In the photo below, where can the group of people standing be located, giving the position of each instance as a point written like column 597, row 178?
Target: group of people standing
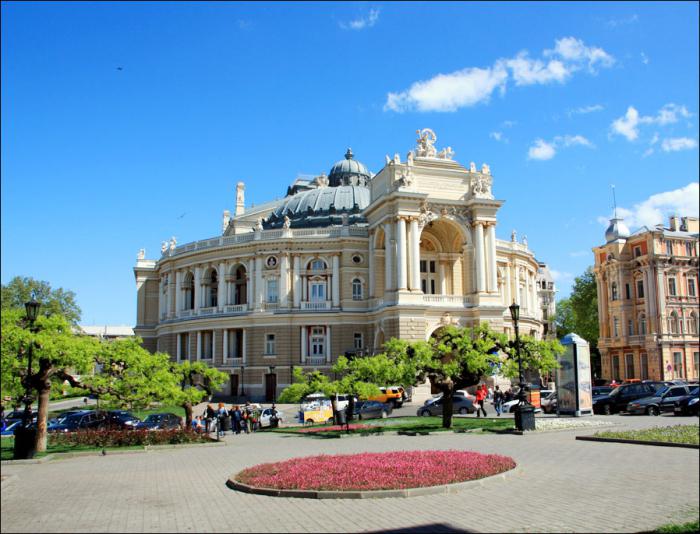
column 237, row 419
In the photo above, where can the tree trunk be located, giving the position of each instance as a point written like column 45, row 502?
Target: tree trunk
column 447, row 396
column 334, row 407
column 188, row 415
column 350, row 412
column 43, row 411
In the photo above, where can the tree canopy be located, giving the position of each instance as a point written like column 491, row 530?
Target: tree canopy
column 53, row 301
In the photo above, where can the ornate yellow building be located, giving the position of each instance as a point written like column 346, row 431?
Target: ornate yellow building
column 341, row 264
column 648, row 301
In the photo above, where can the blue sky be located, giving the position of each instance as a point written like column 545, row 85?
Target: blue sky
column 561, row 100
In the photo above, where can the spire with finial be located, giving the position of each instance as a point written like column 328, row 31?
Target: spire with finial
column 617, row 231
column 349, row 154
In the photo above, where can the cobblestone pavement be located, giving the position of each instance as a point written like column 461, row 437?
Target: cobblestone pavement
column 561, row 485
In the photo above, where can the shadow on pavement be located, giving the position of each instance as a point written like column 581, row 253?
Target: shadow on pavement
column 431, row 527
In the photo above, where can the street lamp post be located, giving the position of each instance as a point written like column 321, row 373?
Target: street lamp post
column 524, row 412
column 25, row 436
column 274, row 393
column 242, row 380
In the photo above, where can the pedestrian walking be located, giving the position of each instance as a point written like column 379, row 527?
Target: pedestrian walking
column 236, row 418
column 498, row 401
column 480, row 397
column 210, row 420
column 247, row 417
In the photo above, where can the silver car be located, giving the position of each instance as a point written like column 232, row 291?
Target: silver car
column 460, row 405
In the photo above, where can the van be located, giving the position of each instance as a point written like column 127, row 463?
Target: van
column 390, row 395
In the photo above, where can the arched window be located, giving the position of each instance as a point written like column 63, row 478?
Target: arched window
column 693, row 323
column 188, row 290
column 317, row 265
column 642, row 324
column 673, row 323
column 357, row 289
column 616, row 327
column 613, row 289
column 239, row 286
column 213, row 289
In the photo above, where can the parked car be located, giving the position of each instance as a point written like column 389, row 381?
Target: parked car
column 389, row 395
column 11, row 424
column 19, row 414
column 549, row 403
column 372, row 409
column 457, row 393
column 60, row 417
column 597, row 391
column 160, row 421
column 83, row 420
column 511, row 405
column 343, row 401
column 121, row 419
column 619, row 398
column 461, row 405
column 266, row 415
column 683, row 405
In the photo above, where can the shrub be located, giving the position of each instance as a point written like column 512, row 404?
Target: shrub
column 376, row 471
column 125, row 438
column 334, row 428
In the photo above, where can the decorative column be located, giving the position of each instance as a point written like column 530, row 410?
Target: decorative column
column 388, row 258
column 224, row 348
column 479, row 246
column 328, row 344
column 297, row 281
column 661, row 302
column 161, row 300
column 178, row 293
column 222, row 294
column 178, row 349
column 284, row 280
column 197, row 288
column 372, row 283
column 244, row 350
column 507, row 286
column 304, row 343
column 443, row 277
column 401, row 254
column 249, row 285
column 199, row 345
column 336, row 280
column 493, row 275
column 415, row 255
column 259, row 290
column 649, row 303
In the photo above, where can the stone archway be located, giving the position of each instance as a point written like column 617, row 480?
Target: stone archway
column 441, row 262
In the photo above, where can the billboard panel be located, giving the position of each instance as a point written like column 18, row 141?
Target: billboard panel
column 566, row 381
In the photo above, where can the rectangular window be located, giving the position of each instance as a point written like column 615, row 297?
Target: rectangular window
column 669, row 247
column 432, row 266
column 270, row 344
column 272, row 290
column 184, row 347
column 235, row 344
column 637, row 251
column 423, row 266
column 424, row 286
column 616, row 368
column 628, row 292
column 642, row 325
column 616, row 327
column 432, row 286
column 207, row 345
column 318, row 291
column 358, row 343
column 688, row 248
column 672, row 286
column 691, row 287
column 630, row 327
column 678, row 365
column 640, row 289
column 644, row 364
column 318, row 341
column 356, row 289
column 696, row 361
column 629, row 366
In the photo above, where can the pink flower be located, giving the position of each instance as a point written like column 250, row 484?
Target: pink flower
column 376, row 471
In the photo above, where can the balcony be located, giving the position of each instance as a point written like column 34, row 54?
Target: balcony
column 315, row 360
column 270, row 306
column 233, row 362
column 207, row 311
column 316, row 306
column 236, row 308
column 447, row 300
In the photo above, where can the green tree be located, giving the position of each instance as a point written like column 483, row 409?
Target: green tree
column 194, row 381
column 53, row 301
column 584, row 304
column 57, row 354
column 564, row 318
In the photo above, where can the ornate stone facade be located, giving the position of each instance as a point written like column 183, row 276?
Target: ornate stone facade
column 339, row 265
column 647, row 286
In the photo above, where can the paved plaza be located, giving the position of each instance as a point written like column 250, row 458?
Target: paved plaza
column 560, row 485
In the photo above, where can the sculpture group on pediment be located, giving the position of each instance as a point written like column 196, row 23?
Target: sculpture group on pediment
column 163, row 247
column 481, row 186
column 403, row 179
column 321, row 180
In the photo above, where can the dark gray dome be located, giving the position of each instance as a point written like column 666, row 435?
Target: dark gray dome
column 323, row 206
column 616, row 230
column 349, row 171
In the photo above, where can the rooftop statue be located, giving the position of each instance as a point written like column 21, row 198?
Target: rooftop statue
column 425, row 144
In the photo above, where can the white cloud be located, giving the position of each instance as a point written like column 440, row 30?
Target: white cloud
column 585, row 110
column 473, row 85
column 498, row 136
column 628, row 125
column 645, row 58
column 509, row 124
column 684, row 202
column 363, row 22
column 614, row 23
column 541, row 150
column 678, row 143
column 559, row 276
column 544, row 150
column 449, row 92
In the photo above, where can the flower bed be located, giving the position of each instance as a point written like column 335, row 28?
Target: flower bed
column 375, row 471
column 334, row 428
column 125, row 438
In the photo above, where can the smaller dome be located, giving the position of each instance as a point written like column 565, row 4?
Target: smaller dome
column 617, row 230
column 349, row 171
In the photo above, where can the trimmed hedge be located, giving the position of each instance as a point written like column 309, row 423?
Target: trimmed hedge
column 124, row 438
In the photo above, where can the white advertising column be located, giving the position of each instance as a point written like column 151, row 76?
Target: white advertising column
column 297, row 282
column 415, row 255
column 479, row 247
column 336, row 281
column 388, row 258
column 401, row 254
column 493, row 276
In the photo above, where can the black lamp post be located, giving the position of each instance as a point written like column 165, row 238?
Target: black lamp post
column 32, row 310
column 242, row 380
column 274, row 393
column 524, row 412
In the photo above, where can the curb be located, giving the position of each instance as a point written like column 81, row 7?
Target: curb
column 638, row 442
column 376, row 494
column 41, row 460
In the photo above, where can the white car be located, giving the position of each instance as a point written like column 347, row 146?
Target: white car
column 509, row 407
column 266, row 415
column 457, row 393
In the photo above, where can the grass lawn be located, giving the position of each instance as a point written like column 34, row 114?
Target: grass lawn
column 8, row 443
column 680, row 528
column 687, row 434
column 410, row 424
